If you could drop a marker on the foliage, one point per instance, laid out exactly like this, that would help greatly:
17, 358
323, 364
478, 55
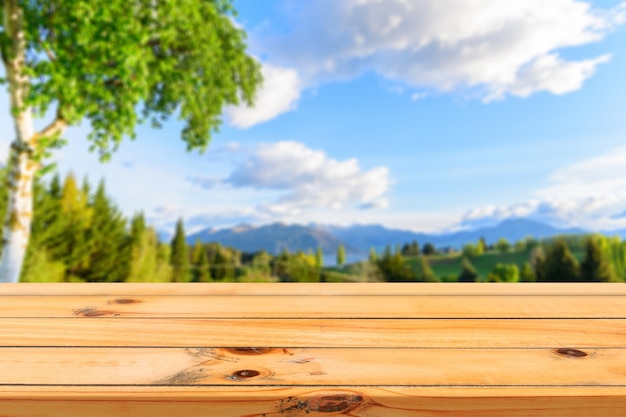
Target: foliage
178, 256
471, 250
504, 273
101, 59
115, 63
595, 267
426, 272
319, 258
394, 269
527, 274
468, 272
429, 249
502, 245
341, 255
560, 265
411, 249
373, 256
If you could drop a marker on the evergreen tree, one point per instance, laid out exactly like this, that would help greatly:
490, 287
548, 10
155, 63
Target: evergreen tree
560, 264
178, 256
341, 255
73, 248
595, 267
149, 258
196, 252
137, 228
481, 246
527, 274
538, 263
427, 273
373, 257
319, 258
415, 248
107, 241
395, 269
223, 265
202, 267
616, 252
429, 249
468, 272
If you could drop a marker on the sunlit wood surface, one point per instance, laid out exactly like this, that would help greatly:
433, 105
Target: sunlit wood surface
270, 350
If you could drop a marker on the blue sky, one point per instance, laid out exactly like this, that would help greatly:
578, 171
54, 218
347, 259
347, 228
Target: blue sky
414, 114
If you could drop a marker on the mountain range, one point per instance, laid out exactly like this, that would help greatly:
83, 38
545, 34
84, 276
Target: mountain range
275, 237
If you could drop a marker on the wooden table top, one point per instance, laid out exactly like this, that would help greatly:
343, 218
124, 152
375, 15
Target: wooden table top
269, 350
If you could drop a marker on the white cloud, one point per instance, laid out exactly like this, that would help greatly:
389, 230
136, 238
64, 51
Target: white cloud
307, 179
279, 94
589, 194
494, 47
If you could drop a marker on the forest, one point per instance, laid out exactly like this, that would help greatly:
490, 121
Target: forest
80, 235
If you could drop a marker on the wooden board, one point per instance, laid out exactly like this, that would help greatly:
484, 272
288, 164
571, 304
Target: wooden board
261, 350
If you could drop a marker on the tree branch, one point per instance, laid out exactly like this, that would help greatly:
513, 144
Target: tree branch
56, 127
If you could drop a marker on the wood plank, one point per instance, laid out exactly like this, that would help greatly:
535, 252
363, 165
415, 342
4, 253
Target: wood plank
313, 367
395, 333
339, 306
314, 289
358, 401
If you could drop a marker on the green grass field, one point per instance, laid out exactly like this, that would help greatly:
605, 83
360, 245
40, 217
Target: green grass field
450, 265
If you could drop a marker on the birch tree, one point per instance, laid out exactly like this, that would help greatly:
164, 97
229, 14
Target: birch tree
113, 64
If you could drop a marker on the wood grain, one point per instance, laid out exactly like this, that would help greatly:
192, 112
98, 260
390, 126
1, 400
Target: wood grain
409, 333
323, 306
313, 367
291, 350
358, 401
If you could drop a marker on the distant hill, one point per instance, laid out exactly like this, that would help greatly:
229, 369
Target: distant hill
377, 236
272, 238
360, 238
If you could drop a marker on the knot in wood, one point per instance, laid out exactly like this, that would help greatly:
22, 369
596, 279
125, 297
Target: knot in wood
572, 353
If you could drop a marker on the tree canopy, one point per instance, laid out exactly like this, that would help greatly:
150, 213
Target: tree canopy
115, 64
101, 59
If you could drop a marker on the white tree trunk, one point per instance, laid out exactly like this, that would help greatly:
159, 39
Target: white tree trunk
22, 167
20, 208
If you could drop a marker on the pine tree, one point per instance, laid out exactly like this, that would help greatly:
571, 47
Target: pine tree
415, 248
341, 255
137, 228
538, 263
196, 252
429, 249
560, 265
595, 267
468, 272
373, 257
427, 273
481, 246
319, 258
149, 257
107, 241
178, 256
527, 274
395, 269
203, 274
76, 216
